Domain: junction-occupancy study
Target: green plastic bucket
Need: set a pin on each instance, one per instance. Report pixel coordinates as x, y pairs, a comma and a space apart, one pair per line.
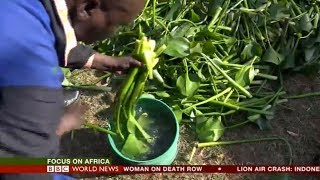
152, 105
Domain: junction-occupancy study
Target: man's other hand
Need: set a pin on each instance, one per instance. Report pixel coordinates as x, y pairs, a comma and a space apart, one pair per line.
72, 118
119, 65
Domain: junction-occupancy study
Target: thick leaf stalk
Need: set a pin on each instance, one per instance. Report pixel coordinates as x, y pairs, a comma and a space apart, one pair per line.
132, 89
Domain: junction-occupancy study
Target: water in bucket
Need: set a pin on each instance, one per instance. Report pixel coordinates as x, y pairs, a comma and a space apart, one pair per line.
160, 129
159, 125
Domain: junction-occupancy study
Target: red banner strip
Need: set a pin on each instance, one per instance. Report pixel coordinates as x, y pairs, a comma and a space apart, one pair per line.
221, 169
23, 169
110, 169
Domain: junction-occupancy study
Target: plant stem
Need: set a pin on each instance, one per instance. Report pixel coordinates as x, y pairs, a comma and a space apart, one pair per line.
121, 97
232, 65
236, 107
278, 94
267, 76
296, 7
218, 113
100, 129
232, 82
93, 88
281, 101
238, 125
194, 149
233, 7
210, 144
210, 99
222, 14
256, 111
215, 18
154, 4
142, 131
100, 79
304, 95
246, 4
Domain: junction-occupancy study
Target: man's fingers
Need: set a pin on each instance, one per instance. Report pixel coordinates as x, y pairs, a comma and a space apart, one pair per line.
121, 65
135, 63
118, 73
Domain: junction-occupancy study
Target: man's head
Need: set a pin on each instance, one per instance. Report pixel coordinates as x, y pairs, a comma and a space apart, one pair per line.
95, 20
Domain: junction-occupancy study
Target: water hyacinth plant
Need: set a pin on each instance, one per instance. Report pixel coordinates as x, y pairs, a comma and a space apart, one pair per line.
127, 126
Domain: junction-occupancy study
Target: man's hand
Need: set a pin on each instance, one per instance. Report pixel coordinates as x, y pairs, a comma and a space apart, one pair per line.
118, 65
72, 118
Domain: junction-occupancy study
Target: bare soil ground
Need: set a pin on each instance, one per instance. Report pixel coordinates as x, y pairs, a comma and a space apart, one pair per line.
298, 121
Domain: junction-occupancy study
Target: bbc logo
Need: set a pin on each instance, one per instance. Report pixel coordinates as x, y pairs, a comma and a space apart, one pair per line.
54, 169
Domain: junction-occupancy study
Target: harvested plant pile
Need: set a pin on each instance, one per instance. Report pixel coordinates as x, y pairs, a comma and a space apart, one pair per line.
222, 56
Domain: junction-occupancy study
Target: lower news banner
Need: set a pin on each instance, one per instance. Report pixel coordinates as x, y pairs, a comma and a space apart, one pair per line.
103, 166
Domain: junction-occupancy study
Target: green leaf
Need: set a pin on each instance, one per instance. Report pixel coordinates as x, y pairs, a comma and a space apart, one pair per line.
197, 112
187, 111
194, 16
270, 117
130, 124
192, 32
317, 39
180, 31
177, 47
148, 95
263, 123
263, 7
305, 23
144, 121
279, 12
245, 76
209, 129
254, 117
216, 37
288, 50
163, 94
251, 50
134, 148
290, 61
273, 56
200, 74
311, 53
186, 86
174, 9
214, 5
67, 73
196, 48
177, 112
208, 48
66, 82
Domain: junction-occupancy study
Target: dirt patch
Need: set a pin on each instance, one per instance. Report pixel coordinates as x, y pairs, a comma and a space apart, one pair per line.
298, 121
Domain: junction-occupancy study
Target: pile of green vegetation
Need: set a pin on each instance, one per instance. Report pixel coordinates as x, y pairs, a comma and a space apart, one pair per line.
221, 57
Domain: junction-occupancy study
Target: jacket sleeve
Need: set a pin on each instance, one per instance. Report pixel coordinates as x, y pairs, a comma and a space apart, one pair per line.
31, 99
80, 56
71, 54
